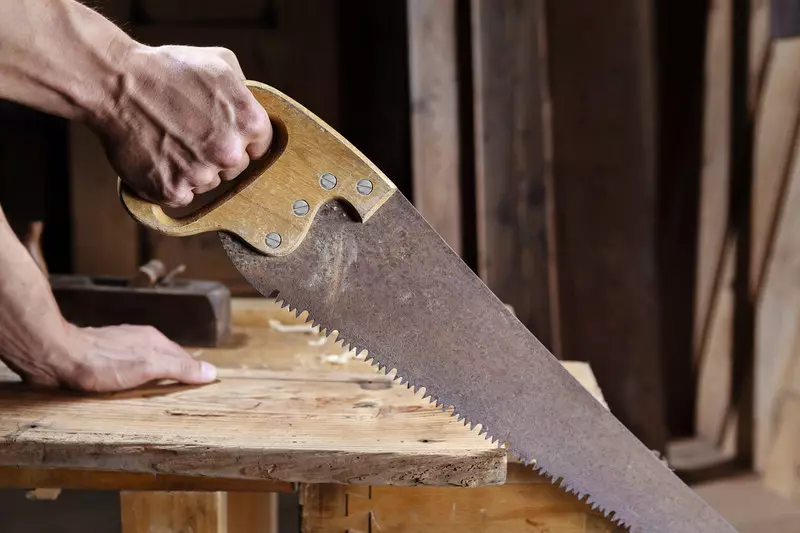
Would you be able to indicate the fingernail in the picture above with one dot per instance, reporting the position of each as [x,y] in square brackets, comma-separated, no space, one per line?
[208,371]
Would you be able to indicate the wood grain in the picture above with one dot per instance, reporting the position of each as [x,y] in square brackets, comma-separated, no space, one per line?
[173,512]
[715,398]
[606,200]
[517,508]
[777,311]
[516,240]
[782,466]
[435,119]
[775,133]
[252,512]
[715,175]
[759,49]
[289,406]
[283,429]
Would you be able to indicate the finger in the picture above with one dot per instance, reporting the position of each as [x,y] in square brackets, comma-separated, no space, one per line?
[180,197]
[213,184]
[231,173]
[202,179]
[183,369]
[259,146]
[230,58]
[255,125]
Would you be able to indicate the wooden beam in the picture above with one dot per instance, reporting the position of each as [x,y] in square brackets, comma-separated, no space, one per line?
[604,139]
[715,178]
[520,507]
[774,206]
[777,313]
[514,192]
[775,133]
[435,143]
[184,512]
[782,468]
[252,512]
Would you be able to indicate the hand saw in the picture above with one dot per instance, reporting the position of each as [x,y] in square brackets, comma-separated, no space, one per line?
[319,227]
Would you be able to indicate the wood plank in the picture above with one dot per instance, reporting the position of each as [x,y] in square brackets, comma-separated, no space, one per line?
[777,311]
[513,508]
[716,415]
[605,190]
[775,133]
[435,143]
[302,408]
[715,395]
[288,428]
[715,175]
[782,469]
[759,49]
[173,512]
[513,161]
[252,512]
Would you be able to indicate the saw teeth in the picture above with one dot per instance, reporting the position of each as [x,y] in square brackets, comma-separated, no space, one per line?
[433,399]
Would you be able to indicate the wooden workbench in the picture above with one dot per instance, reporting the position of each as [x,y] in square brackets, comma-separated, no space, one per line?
[289,407]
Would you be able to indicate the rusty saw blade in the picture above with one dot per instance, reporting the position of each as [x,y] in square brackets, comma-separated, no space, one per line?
[392,286]
[318,226]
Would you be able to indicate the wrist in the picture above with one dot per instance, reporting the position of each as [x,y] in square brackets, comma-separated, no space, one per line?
[100,100]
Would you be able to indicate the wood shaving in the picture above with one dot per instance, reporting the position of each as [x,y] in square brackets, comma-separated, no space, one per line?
[291,328]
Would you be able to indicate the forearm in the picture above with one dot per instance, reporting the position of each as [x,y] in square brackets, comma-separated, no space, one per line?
[60,57]
[33,334]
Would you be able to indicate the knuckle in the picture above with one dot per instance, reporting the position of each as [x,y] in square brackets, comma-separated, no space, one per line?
[175,196]
[227,152]
[254,121]
[84,378]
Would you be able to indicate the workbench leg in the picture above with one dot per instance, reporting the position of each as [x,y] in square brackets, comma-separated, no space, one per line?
[199,512]
[513,508]
[174,512]
[252,512]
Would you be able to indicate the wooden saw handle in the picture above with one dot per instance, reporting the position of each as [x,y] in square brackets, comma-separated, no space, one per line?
[308,163]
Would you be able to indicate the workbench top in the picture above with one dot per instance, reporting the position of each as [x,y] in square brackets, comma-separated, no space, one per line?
[289,405]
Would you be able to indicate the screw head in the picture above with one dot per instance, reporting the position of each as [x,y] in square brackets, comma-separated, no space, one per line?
[300,208]
[364,187]
[327,181]
[273,239]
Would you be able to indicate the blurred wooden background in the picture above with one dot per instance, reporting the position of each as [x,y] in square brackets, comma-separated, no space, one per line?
[622,173]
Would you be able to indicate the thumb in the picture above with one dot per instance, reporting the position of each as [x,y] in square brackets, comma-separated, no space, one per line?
[187,370]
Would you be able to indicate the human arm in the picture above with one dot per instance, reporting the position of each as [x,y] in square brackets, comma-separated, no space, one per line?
[47,351]
[174,120]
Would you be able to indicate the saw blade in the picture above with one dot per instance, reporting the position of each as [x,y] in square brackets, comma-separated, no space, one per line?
[393,287]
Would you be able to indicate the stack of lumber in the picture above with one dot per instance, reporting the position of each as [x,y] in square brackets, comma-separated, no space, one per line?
[749,256]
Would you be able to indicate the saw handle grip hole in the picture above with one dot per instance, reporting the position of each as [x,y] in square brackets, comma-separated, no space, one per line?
[227,189]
